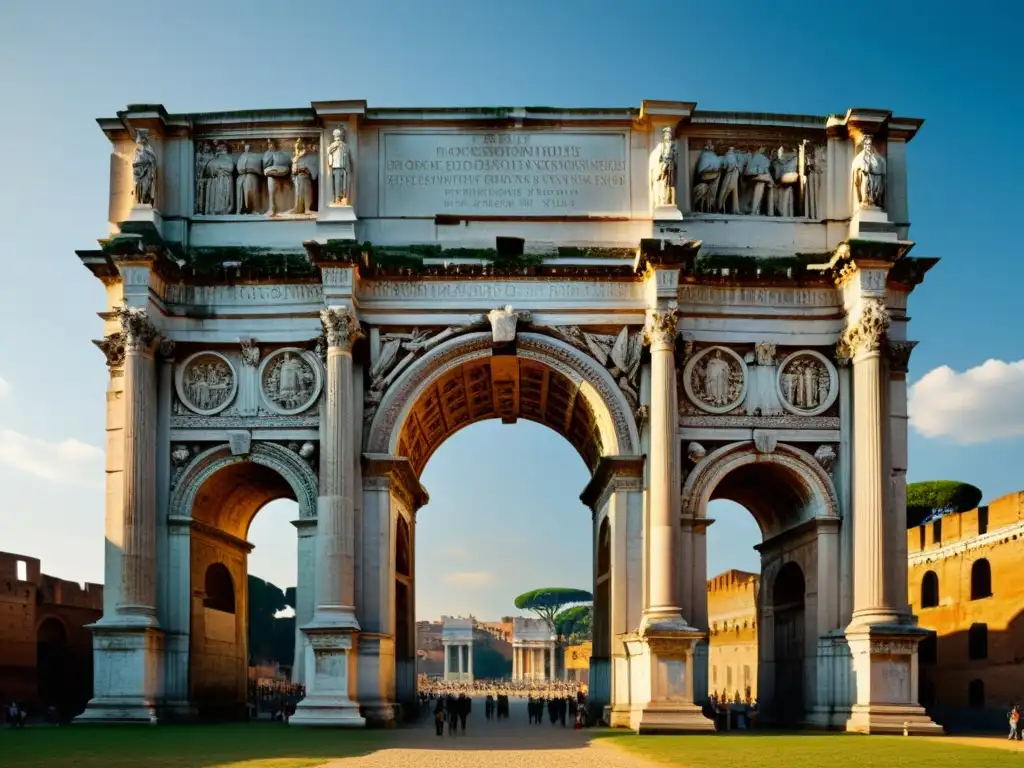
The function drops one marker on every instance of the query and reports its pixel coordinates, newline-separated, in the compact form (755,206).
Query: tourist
(464,704)
(1015,724)
(453,716)
(439,717)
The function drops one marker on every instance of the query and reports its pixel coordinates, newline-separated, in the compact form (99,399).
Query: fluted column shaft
(660,333)
(335,515)
(863,341)
(138,557)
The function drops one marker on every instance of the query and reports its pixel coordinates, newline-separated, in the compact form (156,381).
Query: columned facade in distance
(307,303)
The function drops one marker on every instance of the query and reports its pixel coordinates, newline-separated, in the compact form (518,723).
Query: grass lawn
(811,751)
(185,746)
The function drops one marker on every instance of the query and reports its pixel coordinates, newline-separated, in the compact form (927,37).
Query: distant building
(732,619)
(966,583)
(45,650)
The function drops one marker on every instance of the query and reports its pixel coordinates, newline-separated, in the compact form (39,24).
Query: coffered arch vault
(465,380)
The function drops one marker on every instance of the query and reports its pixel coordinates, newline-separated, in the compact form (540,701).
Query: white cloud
(69,461)
(468,578)
(980,405)
(5,388)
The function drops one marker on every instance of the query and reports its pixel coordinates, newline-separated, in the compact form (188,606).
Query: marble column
(138,569)
(899,361)
(862,342)
(469,655)
(128,644)
(330,657)
(447,656)
(663,605)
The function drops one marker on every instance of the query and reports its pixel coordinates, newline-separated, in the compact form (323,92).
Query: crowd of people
(274,697)
(434,687)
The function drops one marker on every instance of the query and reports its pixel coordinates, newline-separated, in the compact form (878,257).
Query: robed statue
(869,176)
(663,170)
(339,160)
(144,169)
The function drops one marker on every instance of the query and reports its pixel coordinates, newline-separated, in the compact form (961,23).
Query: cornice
(608,469)
(967,545)
(666,254)
(398,470)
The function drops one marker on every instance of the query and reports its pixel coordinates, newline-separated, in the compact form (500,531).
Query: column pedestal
(661,667)
(885,681)
(127,674)
(330,680)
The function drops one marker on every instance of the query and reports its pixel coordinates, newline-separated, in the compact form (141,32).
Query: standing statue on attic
(144,169)
(869,176)
(663,170)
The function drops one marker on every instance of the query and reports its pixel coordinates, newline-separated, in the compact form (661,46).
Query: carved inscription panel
(511,173)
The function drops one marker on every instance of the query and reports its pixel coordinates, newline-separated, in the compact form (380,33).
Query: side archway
(213,501)
(793,474)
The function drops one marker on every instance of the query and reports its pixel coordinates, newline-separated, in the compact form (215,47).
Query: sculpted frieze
(715,379)
(727,296)
(267,177)
(290,380)
(807,383)
(752,180)
(206,382)
(243,295)
(786,421)
(620,354)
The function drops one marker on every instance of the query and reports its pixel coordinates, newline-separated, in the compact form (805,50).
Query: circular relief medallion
(807,383)
(715,379)
(206,382)
(290,380)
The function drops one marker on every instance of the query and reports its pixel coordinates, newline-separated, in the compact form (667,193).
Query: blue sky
(62,64)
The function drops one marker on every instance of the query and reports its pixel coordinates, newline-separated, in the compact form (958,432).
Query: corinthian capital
(866,330)
(112,347)
(341,327)
(899,355)
(660,328)
(140,335)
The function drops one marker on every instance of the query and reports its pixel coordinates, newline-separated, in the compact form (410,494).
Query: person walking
(464,705)
(1015,724)
(439,717)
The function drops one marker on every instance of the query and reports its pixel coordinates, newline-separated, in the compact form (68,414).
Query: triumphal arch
(305,303)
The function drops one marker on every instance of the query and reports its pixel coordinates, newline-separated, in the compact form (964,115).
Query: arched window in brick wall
(930,590)
(981,579)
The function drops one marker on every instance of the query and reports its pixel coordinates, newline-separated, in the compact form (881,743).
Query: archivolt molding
(713,468)
(618,429)
(289,465)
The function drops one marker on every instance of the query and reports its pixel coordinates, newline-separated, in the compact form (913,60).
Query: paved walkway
(511,743)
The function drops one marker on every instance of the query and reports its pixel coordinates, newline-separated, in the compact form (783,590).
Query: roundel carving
(715,379)
(806,383)
(290,380)
(206,382)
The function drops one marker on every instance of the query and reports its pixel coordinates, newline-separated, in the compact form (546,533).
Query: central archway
(466,380)
(794,503)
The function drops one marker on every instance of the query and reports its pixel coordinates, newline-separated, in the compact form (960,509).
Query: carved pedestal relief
(807,383)
(290,380)
(206,383)
(715,379)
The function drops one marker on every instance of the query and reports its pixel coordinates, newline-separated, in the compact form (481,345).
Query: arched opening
(490,535)
(53,668)
(929,590)
(788,618)
(981,579)
(535,380)
(219,589)
(768,605)
(237,645)
(976,694)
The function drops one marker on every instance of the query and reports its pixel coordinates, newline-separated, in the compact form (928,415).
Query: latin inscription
(511,173)
(243,294)
(518,290)
(792,297)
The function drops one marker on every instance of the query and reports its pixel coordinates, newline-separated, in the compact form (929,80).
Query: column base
(127,672)
(885,680)
(872,224)
(330,659)
(376,665)
(661,670)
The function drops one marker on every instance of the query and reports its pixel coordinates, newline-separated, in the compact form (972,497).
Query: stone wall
(971,673)
(732,616)
(40,608)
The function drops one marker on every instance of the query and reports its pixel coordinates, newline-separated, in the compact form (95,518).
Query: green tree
(548,602)
(939,497)
(574,624)
(270,639)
